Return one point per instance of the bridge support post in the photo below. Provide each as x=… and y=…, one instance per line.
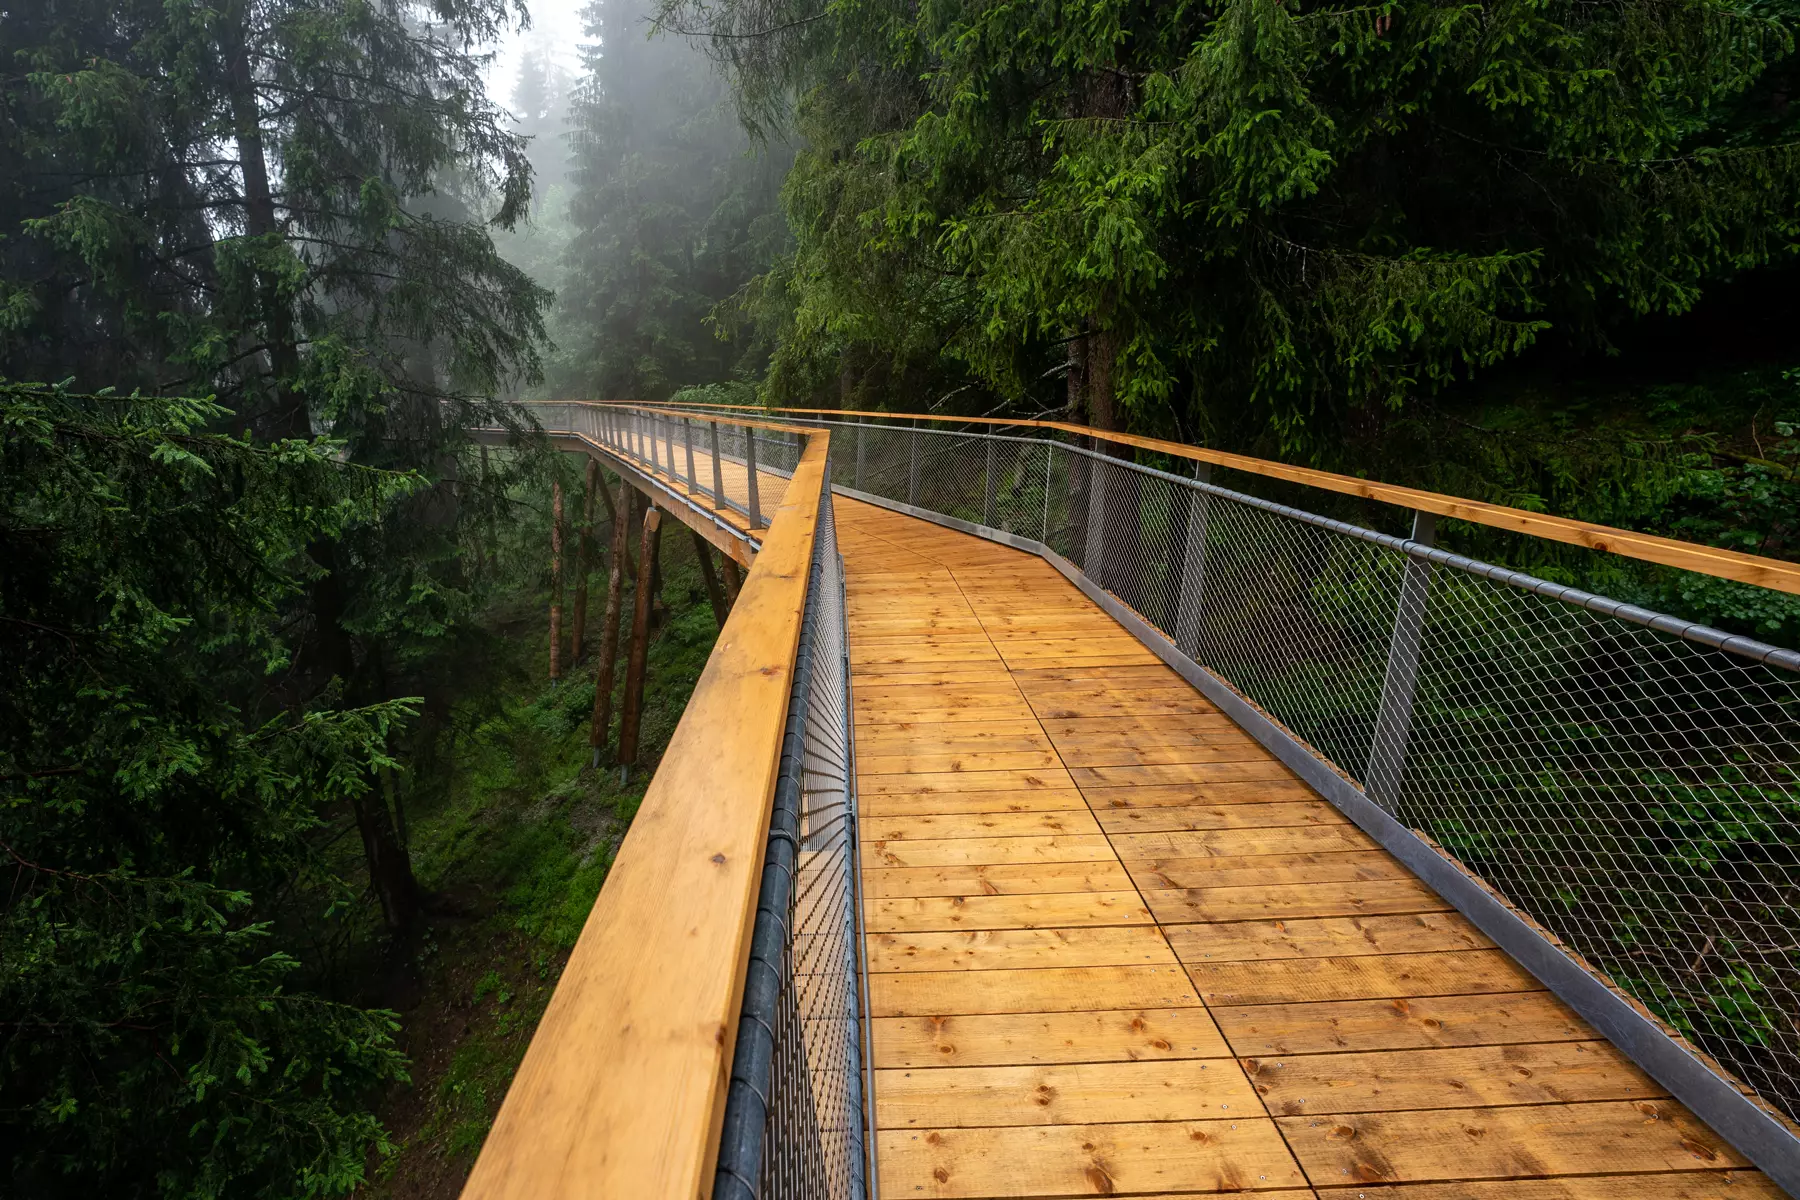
x=1093, y=559
x=631, y=719
x=1393, y=721
x=608, y=665
x=912, y=466
x=718, y=469
x=584, y=540
x=1193, y=566
x=714, y=592
x=750, y=470
x=556, y=577
x=987, y=497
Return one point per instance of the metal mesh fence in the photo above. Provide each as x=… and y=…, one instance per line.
x=1628, y=780
x=731, y=465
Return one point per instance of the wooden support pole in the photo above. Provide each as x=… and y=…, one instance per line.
x=714, y=592
x=556, y=579
x=631, y=720
x=734, y=580
x=609, y=627
x=584, y=541
x=612, y=518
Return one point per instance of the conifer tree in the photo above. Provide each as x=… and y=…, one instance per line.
x=286, y=205
x=1253, y=217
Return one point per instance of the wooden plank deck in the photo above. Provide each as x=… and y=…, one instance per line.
x=1117, y=949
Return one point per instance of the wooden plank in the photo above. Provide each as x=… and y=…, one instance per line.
x=1162, y=701
x=1401, y=1023
x=995, y=879
x=653, y=986
x=1498, y=1143
x=1086, y=777
x=1188, y=795
x=1005, y=949
x=1193, y=725
x=1217, y=816
x=1683, y=1185
x=1177, y=873
x=1086, y=1160
x=1062, y=1094
x=1129, y=1035
x=925, y=762
x=1143, y=756
x=955, y=825
x=945, y=852
x=1051, y=911
x=968, y=781
x=931, y=804
x=1465, y=972
x=1328, y=937
x=1369, y=897
x=1237, y=843
x=1046, y=989
x=1459, y=1077
x=960, y=731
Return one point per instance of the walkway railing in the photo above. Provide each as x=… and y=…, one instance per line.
x=1610, y=793
x=707, y=1034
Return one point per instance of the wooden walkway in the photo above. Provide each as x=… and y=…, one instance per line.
x=1117, y=949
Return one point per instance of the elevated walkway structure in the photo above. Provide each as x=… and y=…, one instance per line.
x=1147, y=838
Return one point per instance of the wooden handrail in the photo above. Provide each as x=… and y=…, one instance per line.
x=622, y=1091
x=1735, y=565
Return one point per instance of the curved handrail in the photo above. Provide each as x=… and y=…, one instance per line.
x=622, y=1090
x=1706, y=560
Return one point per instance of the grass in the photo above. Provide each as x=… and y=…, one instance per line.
x=513, y=833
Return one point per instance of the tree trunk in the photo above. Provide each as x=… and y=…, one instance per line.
x=714, y=592
x=1102, y=355
x=584, y=538
x=556, y=580
x=612, y=518
x=631, y=720
x=609, y=630
x=1078, y=381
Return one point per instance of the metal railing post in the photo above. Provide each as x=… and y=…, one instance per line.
x=987, y=499
x=687, y=437
x=860, y=430
x=1393, y=722
x=1193, y=566
x=718, y=468
x=912, y=467
x=1049, y=467
x=750, y=469
x=655, y=437
x=1093, y=559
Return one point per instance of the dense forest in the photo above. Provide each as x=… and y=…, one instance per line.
x=296, y=829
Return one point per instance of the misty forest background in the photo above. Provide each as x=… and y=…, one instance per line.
x=296, y=833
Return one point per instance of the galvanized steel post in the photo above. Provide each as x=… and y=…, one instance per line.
x=1193, y=566
x=1393, y=722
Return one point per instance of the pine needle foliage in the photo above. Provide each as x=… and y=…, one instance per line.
x=163, y=801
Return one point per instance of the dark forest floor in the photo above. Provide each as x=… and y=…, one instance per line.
x=513, y=844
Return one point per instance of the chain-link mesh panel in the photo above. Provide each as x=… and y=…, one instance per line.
x=1618, y=776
